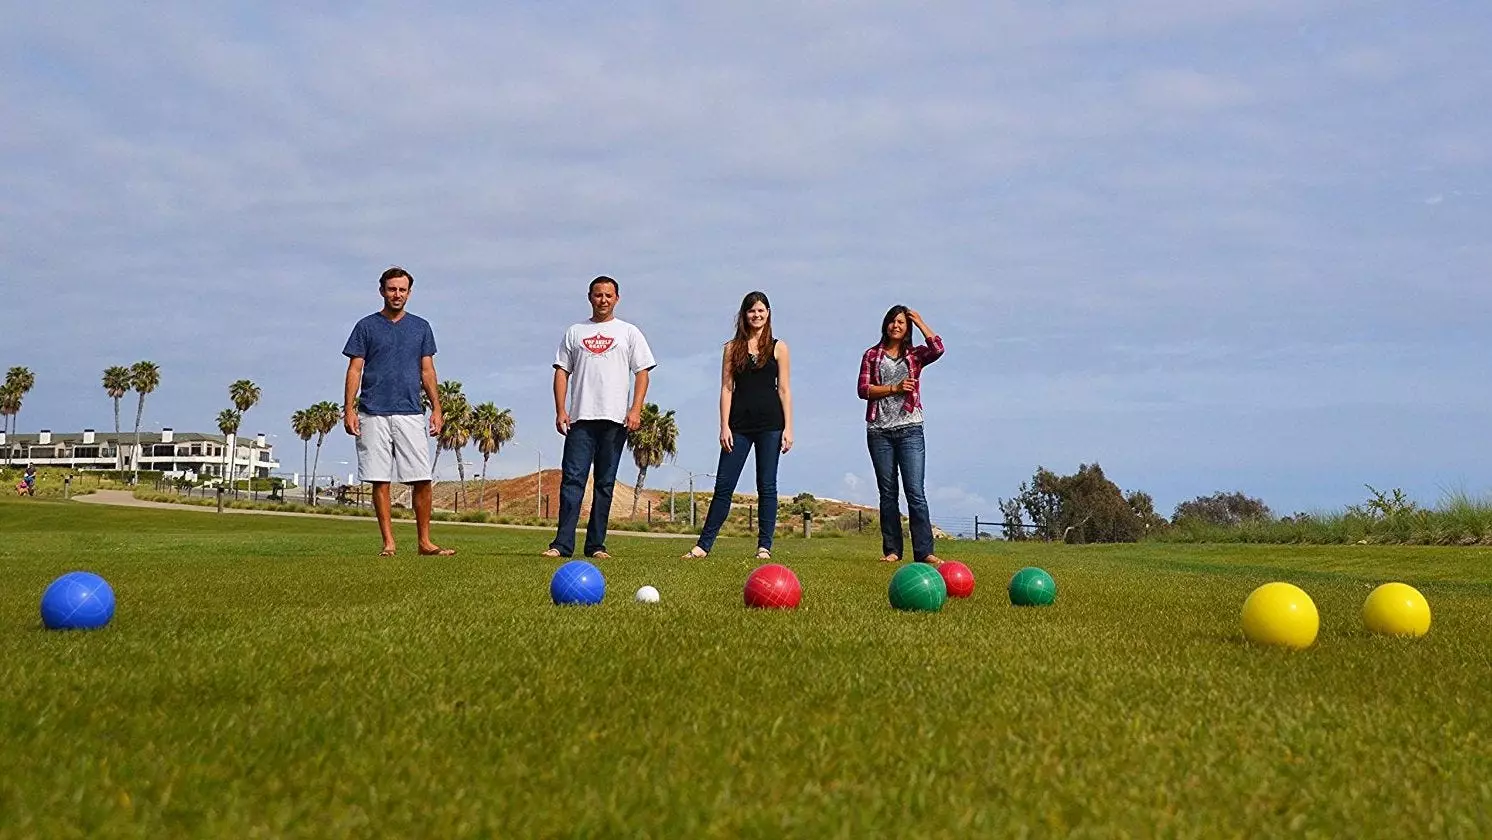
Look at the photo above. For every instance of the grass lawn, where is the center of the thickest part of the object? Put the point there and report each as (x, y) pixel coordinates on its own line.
(268, 676)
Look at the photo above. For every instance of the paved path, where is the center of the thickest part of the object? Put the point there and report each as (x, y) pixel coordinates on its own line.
(125, 498)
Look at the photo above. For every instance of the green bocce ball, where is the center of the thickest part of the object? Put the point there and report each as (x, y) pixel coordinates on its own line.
(917, 587)
(1032, 587)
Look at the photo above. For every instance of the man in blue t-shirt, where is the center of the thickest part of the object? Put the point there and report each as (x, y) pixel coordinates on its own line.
(390, 360)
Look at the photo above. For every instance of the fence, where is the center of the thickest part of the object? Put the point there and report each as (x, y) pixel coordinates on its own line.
(976, 527)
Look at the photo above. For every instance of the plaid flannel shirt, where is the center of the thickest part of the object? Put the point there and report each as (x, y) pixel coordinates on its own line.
(918, 357)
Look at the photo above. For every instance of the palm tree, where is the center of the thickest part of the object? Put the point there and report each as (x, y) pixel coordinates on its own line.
(455, 432)
(228, 422)
(10, 405)
(657, 437)
(18, 382)
(245, 395)
(303, 424)
(117, 384)
(145, 376)
(325, 416)
(490, 429)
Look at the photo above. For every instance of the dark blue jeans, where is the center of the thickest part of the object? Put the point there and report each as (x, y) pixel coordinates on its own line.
(901, 450)
(597, 442)
(768, 446)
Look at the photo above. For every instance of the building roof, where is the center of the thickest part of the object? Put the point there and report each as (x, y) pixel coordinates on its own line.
(126, 438)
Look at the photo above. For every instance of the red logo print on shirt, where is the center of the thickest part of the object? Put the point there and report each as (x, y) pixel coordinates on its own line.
(598, 343)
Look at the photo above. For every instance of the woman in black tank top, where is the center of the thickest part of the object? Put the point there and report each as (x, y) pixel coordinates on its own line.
(756, 412)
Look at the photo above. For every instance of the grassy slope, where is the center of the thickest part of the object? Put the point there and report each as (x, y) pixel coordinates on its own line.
(267, 675)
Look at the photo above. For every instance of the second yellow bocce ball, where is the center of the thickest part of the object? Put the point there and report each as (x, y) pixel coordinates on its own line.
(1397, 609)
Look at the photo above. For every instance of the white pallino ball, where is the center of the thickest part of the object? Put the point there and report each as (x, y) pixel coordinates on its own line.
(647, 595)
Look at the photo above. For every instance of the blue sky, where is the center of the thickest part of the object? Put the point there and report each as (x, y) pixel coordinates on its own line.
(1211, 246)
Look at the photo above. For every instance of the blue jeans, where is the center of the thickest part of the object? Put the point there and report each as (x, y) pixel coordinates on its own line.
(597, 442)
(768, 446)
(901, 449)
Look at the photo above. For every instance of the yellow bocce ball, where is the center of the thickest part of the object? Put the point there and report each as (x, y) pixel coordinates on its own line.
(1280, 614)
(1397, 609)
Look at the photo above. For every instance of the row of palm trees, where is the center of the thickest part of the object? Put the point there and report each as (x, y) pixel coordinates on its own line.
(18, 382)
(142, 377)
(316, 421)
(484, 425)
(488, 428)
(244, 395)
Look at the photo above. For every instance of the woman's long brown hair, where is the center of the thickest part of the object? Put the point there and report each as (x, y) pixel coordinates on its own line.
(740, 356)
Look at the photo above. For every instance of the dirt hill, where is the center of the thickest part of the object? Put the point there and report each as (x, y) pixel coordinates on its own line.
(518, 496)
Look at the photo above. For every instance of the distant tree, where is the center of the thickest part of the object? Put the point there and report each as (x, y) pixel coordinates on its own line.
(145, 377)
(10, 406)
(325, 416)
(1143, 507)
(245, 395)
(1083, 507)
(1042, 503)
(803, 503)
(455, 430)
(228, 423)
(303, 423)
(655, 438)
(116, 385)
(1222, 509)
(18, 383)
(491, 427)
(1010, 512)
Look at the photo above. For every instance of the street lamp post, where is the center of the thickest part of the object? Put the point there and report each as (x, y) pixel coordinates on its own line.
(538, 476)
(692, 506)
(473, 464)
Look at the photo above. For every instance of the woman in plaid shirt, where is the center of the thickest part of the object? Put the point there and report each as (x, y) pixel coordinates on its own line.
(889, 375)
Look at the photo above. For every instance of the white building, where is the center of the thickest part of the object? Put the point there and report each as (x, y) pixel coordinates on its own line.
(187, 454)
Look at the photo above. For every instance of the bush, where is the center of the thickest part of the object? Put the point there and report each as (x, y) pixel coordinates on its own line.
(1385, 518)
(1221, 509)
(1083, 507)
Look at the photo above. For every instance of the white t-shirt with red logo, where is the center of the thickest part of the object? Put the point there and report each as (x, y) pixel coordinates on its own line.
(602, 360)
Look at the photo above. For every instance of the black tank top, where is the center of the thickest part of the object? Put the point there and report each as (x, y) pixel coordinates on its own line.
(755, 405)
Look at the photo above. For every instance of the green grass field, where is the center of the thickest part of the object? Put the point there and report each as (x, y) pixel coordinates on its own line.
(268, 676)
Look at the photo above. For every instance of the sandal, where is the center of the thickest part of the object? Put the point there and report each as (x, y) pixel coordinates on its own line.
(891, 558)
(695, 553)
(764, 554)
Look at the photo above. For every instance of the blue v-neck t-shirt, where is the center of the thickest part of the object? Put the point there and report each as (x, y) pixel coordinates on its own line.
(392, 352)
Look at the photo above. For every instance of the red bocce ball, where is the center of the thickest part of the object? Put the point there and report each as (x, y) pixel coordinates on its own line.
(773, 586)
(958, 577)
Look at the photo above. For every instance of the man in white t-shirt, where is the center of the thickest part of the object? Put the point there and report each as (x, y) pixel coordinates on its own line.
(598, 363)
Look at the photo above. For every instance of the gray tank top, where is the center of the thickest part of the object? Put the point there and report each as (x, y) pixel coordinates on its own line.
(891, 412)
